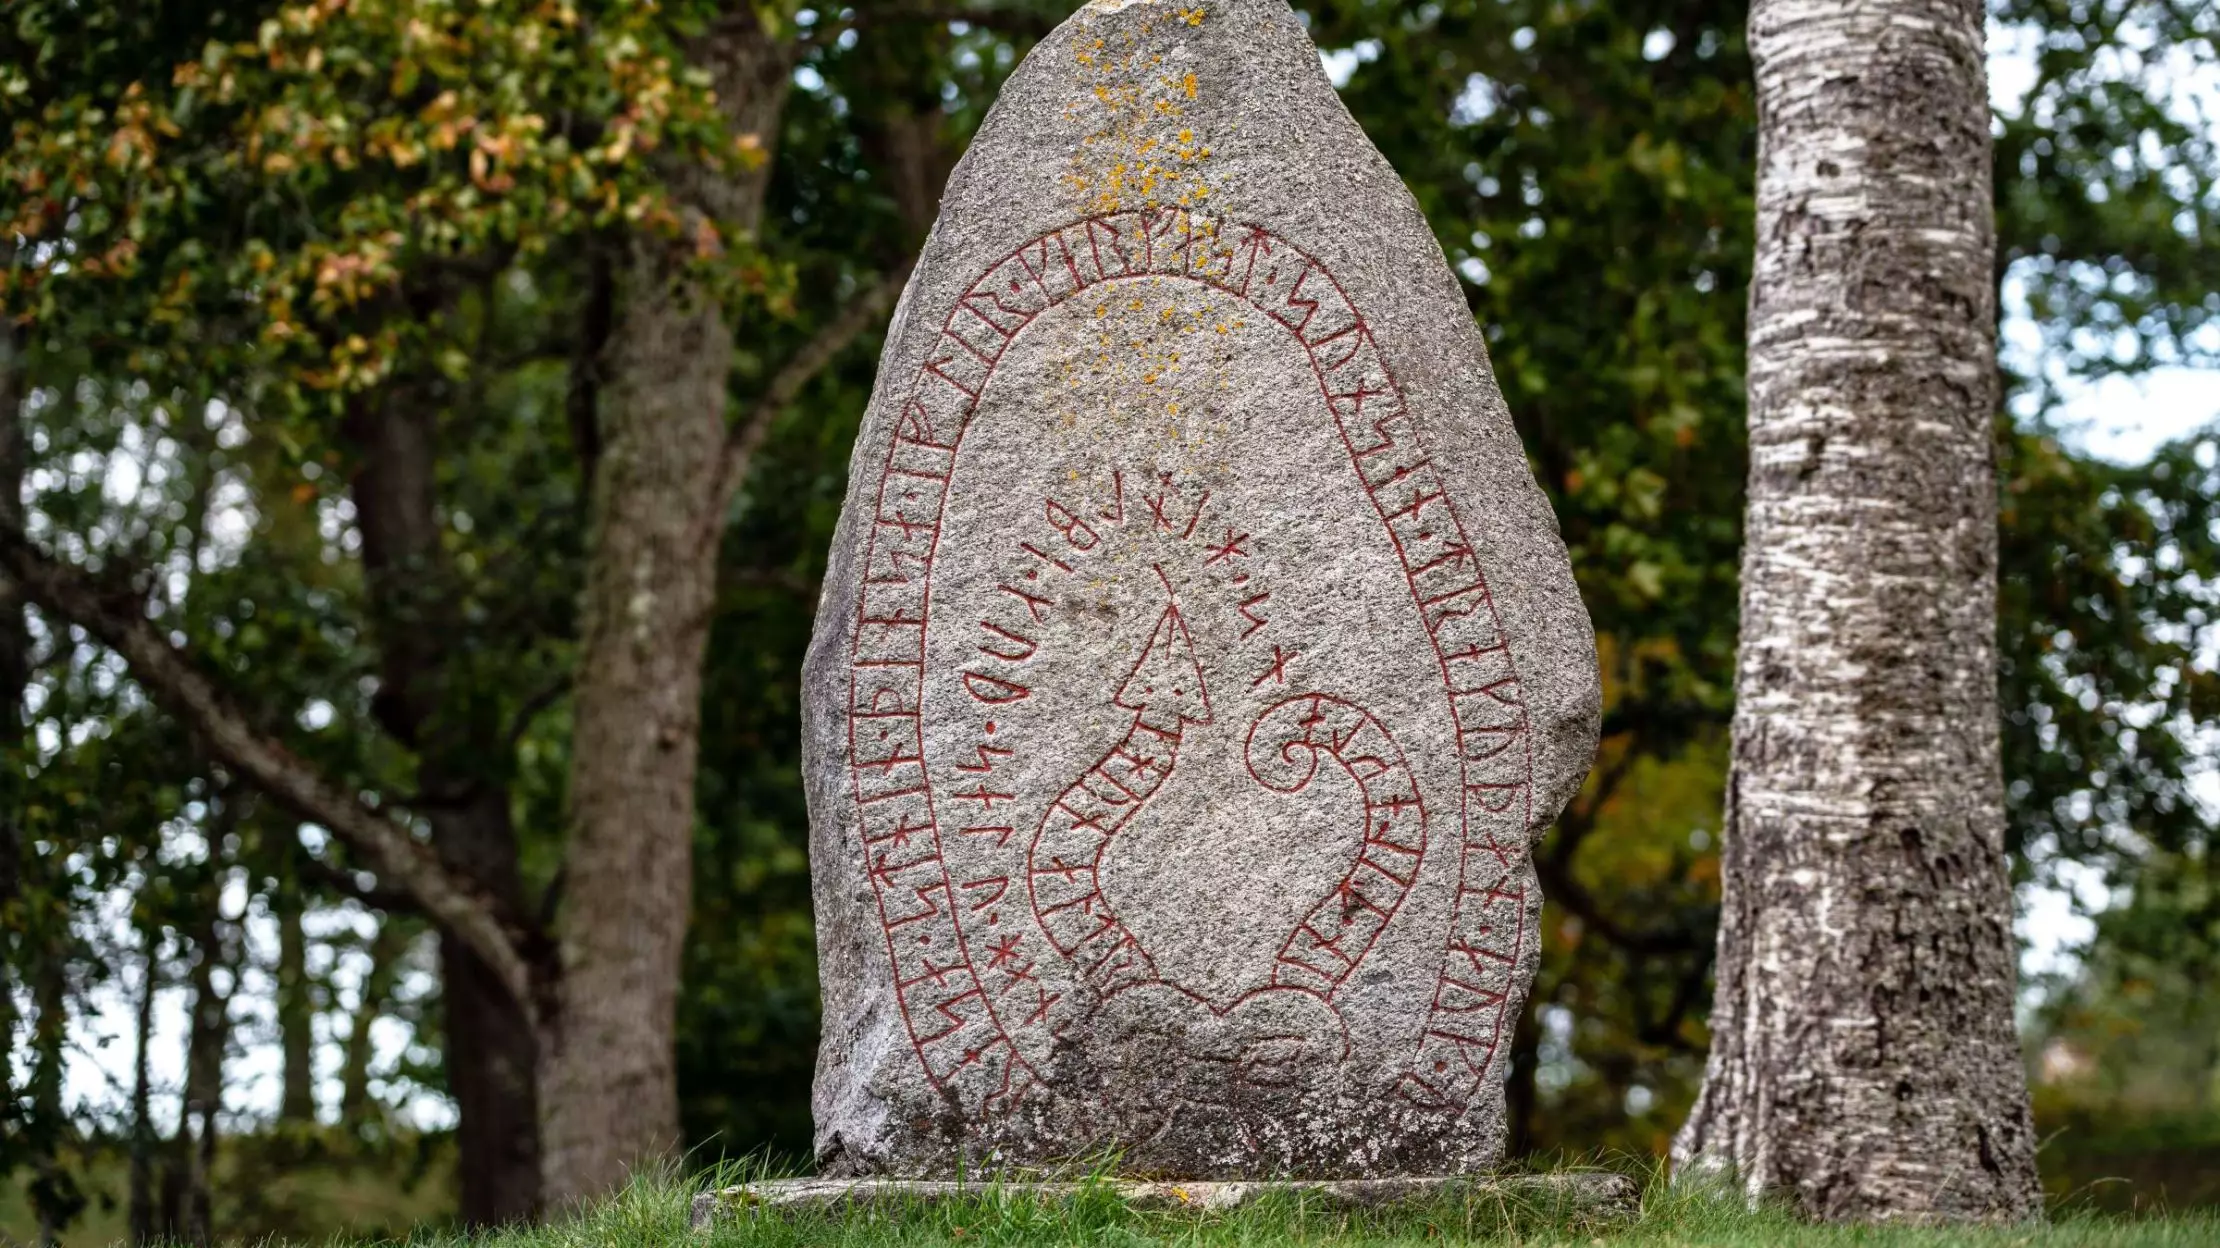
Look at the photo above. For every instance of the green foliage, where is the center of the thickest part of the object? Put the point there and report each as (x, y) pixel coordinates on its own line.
(2107, 686)
(274, 203)
(2105, 184)
(2107, 215)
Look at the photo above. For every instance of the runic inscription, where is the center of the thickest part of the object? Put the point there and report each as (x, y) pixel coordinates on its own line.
(1198, 658)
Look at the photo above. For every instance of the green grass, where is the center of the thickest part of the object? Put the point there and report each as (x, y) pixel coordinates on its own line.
(301, 1195)
(654, 1213)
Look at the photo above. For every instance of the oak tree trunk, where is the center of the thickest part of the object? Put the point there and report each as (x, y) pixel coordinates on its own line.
(610, 1096)
(609, 1092)
(1863, 1061)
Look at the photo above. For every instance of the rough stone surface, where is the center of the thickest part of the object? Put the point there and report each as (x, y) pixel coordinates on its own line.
(1594, 1195)
(1197, 657)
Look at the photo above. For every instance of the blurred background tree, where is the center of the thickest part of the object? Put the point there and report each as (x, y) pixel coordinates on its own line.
(250, 248)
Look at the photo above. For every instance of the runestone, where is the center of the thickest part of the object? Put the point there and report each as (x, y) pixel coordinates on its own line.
(1197, 659)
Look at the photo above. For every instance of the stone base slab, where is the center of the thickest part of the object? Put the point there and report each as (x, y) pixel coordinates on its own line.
(1594, 1194)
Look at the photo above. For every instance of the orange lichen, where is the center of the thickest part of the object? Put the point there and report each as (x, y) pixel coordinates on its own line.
(1141, 151)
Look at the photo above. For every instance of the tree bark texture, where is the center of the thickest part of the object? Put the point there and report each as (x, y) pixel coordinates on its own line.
(610, 1095)
(462, 768)
(1863, 1062)
(492, 1064)
(609, 1092)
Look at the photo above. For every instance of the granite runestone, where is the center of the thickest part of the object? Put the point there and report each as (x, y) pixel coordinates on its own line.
(1197, 660)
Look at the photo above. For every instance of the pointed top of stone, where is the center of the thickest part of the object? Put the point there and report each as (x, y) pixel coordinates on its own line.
(1197, 659)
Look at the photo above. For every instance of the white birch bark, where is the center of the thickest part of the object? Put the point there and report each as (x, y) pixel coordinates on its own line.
(1864, 1063)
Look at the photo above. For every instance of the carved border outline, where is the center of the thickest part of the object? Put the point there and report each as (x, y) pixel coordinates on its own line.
(887, 655)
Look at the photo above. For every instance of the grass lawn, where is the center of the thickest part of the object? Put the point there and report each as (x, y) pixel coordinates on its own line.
(300, 1195)
(654, 1213)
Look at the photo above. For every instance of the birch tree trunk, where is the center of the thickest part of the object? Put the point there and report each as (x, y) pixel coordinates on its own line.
(1864, 1063)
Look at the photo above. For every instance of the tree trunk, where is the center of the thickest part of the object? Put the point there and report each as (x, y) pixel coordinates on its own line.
(1863, 1061)
(296, 1013)
(385, 953)
(610, 1095)
(609, 1090)
(491, 1049)
(143, 1140)
(209, 1032)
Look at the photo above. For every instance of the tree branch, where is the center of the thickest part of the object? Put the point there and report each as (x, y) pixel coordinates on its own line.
(115, 618)
(846, 325)
(545, 696)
